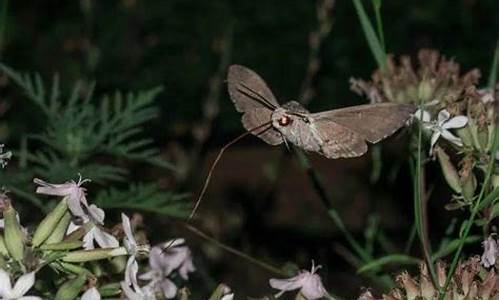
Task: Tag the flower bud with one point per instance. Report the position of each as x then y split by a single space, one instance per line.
14 239
465 135
71 288
469 185
3 247
425 91
110 289
60 231
96 254
74 269
49 223
449 170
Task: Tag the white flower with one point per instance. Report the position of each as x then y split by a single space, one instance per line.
95 233
21 287
178 256
158 274
490 254
130 243
71 189
441 126
4 156
91 294
227 294
145 293
309 284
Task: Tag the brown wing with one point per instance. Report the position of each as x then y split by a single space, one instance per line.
339 141
373 121
258 116
248 90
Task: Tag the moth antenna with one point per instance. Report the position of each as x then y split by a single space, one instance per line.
286 144
212 167
256 96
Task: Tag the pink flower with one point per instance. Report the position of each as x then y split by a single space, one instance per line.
309 283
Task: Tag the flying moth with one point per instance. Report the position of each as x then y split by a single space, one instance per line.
333 133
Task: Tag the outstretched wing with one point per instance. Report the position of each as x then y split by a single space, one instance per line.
339 141
373 122
256 117
248 90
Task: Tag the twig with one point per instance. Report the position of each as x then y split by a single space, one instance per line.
316 37
236 252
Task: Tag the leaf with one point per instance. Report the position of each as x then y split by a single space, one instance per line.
452 246
400 259
371 37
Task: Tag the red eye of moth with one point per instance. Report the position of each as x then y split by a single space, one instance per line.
284 121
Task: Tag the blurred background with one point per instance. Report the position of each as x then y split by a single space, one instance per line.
260 200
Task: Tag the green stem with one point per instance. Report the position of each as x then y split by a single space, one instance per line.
377 5
420 208
492 79
236 252
472 217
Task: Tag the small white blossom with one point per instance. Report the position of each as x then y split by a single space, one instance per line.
441 126
21 287
144 293
227 295
178 257
95 218
91 294
71 189
490 254
4 156
309 283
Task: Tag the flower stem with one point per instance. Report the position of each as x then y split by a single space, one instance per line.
472 217
236 252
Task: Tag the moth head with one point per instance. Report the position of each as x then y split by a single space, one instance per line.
283 120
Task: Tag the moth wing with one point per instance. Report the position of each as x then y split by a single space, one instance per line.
256 117
372 121
248 90
339 141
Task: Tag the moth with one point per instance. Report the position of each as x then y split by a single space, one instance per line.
334 133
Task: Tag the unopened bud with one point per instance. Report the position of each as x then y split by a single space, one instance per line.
96 254
50 222
60 231
71 288
14 239
449 171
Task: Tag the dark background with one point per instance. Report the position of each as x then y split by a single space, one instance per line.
134 44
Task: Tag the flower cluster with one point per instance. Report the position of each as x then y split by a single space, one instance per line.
72 238
471 281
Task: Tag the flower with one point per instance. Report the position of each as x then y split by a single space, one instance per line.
145 293
91 294
95 233
4 156
21 287
441 126
490 254
309 284
163 261
131 245
70 189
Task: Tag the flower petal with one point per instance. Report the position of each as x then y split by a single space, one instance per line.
104 239
5 285
88 239
91 294
23 284
168 288
228 297
128 231
451 137
434 139
313 287
186 267
443 115
131 273
96 213
129 293
423 115
289 284
174 258
456 122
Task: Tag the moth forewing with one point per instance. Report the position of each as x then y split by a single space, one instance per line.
374 122
257 116
248 91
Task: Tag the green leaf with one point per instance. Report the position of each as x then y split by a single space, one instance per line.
452 246
373 42
378 263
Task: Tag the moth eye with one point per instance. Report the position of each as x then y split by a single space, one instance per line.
284 121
